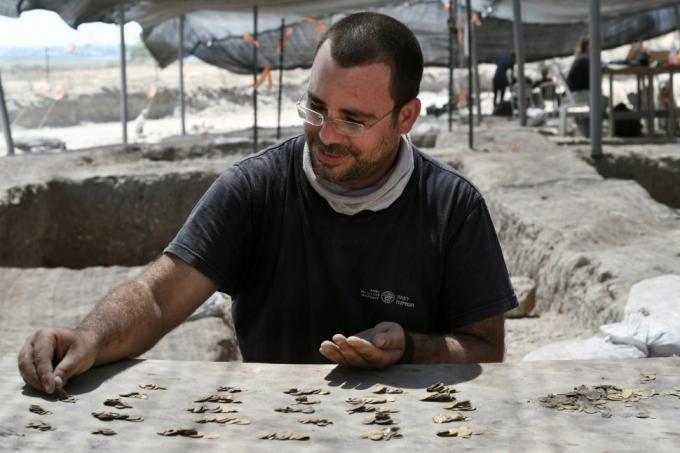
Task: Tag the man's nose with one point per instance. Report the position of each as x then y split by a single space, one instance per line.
329 134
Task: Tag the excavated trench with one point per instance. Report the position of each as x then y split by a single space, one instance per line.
658 175
99 221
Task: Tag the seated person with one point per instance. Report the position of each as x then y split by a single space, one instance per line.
578 78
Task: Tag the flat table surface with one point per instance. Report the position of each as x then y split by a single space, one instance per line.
508 417
641 70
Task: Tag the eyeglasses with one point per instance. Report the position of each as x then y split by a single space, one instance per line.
348 128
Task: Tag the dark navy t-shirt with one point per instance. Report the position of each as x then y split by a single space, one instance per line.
299 272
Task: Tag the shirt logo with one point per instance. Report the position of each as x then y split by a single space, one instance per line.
387 297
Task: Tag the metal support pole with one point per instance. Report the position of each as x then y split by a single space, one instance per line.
519 53
595 80
452 36
123 74
254 79
475 66
4 116
180 60
471 119
278 106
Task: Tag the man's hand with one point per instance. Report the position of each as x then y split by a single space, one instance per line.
378 347
72 351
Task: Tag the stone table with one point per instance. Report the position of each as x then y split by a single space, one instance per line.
509 416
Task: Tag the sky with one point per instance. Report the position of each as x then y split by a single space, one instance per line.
43 28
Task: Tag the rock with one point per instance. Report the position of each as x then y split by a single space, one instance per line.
525 289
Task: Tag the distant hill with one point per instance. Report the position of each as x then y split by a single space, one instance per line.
77 55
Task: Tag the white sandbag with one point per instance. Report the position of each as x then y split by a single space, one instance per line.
651 318
595 348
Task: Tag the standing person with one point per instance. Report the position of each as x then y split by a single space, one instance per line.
346 244
501 78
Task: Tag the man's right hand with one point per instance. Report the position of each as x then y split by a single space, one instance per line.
51 356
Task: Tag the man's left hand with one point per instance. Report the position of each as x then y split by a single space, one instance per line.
378 347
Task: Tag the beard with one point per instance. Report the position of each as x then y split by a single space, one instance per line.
359 169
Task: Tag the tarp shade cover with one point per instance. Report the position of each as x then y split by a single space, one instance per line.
149 13
567 11
207 36
552 27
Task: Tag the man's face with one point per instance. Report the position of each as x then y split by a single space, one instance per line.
359 94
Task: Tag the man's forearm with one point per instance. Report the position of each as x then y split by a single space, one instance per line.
125 324
455 348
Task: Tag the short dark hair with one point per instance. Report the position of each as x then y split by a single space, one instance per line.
365 38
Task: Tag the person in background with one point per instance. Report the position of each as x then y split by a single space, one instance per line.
578 78
501 80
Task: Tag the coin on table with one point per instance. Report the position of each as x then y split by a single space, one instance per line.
40 426
460 406
391 432
307 391
151 387
228 389
382 389
137 395
285 435
448 418
315 421
463 432
36 409
117 403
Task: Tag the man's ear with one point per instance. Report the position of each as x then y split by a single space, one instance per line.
408 115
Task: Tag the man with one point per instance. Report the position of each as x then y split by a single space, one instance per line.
347 230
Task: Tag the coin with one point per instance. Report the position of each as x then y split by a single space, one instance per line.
38 410
391 432
441 397
463 432
188 432
108 416
218 398
382 389
306 391
295 408
304 399
228 389
214 409
371 400
465 405
117 403
285 435
61 395
447 418
151 387
40 426
315 421
139 396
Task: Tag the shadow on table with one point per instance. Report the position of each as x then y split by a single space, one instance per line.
87 381
404 376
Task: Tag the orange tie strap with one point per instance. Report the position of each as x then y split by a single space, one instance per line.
320 25
247 37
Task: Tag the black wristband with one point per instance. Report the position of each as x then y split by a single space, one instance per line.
409 346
